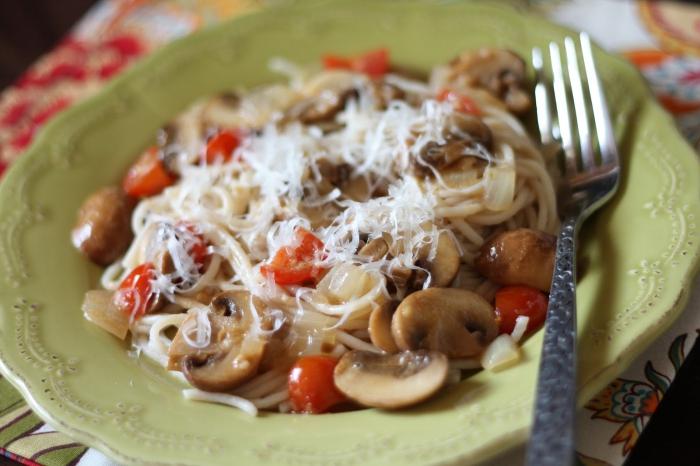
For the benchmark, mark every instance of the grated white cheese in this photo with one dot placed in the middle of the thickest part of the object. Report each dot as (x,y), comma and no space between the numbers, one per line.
(197,332)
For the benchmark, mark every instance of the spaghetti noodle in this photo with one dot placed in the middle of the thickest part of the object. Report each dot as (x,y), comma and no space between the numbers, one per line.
(260,254)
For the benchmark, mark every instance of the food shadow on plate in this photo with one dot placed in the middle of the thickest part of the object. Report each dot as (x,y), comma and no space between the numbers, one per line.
(599,261)
(467,391)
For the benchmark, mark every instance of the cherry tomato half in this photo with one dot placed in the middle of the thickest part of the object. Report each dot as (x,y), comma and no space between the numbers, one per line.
(374,63)
(221,146)
(135,294)
(148,176)
(514,301)
(311,387)
(294,264)
(197,248)
(461,102)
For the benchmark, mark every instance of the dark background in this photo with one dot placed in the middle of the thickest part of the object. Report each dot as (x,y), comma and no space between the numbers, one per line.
(29,28)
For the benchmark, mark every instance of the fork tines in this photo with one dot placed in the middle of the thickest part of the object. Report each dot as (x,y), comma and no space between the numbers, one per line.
(569,87)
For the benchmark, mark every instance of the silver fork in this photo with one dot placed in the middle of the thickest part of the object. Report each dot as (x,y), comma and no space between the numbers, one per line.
(587,183)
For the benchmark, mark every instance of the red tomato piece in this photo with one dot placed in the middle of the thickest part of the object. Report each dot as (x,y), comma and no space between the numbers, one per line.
(374,63)
(294,264)
(514,301)
(311,387)
(461,102)
(197,249)
(135,294)
(334,62)
(221,146)
(148,176)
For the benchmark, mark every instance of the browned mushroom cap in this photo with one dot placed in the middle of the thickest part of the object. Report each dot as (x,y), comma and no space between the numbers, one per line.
(444,267)
(518,257)
(501,72)
(456,322)
(232,355)
(380,326)
(103,230)
(390,381)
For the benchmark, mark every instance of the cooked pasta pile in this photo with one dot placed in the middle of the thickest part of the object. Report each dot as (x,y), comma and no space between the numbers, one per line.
(324,167)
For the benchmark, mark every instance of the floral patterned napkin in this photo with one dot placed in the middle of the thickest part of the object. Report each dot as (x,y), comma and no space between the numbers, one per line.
(661,38)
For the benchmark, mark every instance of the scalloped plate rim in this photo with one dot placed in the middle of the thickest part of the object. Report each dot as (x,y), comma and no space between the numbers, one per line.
(600,378)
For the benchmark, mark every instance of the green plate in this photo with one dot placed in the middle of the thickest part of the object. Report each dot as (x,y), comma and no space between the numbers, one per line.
(638,254)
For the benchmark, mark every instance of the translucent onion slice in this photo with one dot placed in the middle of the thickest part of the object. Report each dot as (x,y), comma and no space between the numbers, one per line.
(499,190)
(500,354)
(99,309)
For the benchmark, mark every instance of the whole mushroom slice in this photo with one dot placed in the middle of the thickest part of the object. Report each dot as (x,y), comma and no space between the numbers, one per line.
(223,372)
(233,353)
(390,381)
(445,265)
(456,322)
(518,257)
(236,304)
(380,326)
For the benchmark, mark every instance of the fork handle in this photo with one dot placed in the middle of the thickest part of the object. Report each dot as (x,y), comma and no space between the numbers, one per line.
(552,437)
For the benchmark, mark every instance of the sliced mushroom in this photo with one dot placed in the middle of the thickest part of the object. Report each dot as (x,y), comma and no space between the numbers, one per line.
(103,230)
(320,108)
(374,250)
(445,265)
(335,174)
(357,189)
(206,294)
(518,257)
(471,128)
(237,304)
(380,326)
(234,351)
(401,277)
(499,71)
(390,381)
(383,93)
(229,303)
(439,155)
(456,322)
(468,137)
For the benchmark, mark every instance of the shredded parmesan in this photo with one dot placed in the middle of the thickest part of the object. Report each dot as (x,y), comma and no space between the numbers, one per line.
(197,332)
(362,172)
